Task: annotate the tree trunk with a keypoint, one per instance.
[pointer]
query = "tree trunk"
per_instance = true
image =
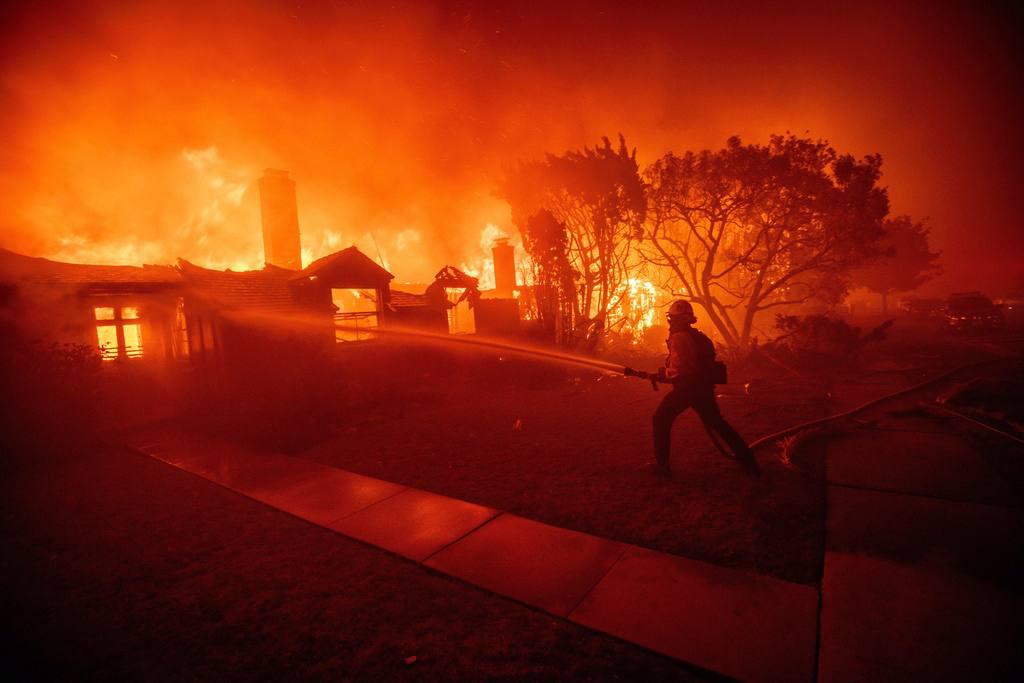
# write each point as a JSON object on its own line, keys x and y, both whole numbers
{"x": 717, "y": 320}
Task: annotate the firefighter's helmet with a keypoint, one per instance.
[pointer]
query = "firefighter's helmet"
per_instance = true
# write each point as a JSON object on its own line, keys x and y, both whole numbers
{"x": 682, "y": 310}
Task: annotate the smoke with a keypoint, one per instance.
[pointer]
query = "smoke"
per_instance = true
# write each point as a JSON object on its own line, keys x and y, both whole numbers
{"x": 138, "y": 129}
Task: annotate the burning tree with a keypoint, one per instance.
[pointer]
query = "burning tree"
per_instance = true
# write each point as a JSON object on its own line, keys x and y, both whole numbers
{"x": 905, "y": 261}
{"x": 581, "y": 214}
{"x": 749, "y": 228}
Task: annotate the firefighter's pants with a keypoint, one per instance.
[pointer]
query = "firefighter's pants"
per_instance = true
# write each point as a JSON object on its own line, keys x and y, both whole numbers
{"x": 704, "y": 404}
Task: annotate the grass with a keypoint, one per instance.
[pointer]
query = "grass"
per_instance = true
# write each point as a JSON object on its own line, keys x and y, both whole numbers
{"x": 120, "y": 567}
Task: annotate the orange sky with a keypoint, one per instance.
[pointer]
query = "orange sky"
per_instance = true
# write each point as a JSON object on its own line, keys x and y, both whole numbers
{"x": 135, "y": 129}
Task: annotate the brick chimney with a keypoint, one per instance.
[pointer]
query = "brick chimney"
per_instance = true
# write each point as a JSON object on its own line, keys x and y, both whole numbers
{"x": 504, "y": 268}
{"x": 280, "y": 220}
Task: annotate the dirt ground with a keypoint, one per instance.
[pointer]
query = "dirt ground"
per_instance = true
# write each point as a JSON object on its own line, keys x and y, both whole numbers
{"x": 118, "y": 567}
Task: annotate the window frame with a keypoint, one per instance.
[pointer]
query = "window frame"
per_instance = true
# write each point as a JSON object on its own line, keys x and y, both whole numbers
{"x": 118, "y": 322}
{"x": 363, "y": 332}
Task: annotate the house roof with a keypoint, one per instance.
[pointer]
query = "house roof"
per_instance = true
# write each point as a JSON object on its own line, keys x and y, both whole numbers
{"x": 450, "y": 276}
{"x": 408, "y": 300}
{"x": 15, "y": 268}
{"x": 272, "y": 287}
{"x": 346, "y": 268}
{"x": 267, "y": 289}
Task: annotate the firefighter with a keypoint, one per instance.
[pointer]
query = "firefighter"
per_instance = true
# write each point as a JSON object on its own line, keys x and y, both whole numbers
{"x": 690, "y": 369}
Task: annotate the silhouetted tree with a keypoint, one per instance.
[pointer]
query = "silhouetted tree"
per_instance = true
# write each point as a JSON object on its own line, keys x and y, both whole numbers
{"x": 752, "y": 227}
{"x": 598, "y": 196}
{"x": 547, "y": 242}
{"x": 905, "y": 262}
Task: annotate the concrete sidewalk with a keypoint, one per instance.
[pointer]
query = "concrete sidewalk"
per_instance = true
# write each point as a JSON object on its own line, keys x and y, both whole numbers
{"x": 735, "y": 623}
{"x": 922, "y": 558}
{"x": 917, "y": 581}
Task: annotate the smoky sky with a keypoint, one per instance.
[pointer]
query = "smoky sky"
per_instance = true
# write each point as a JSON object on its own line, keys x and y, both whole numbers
{"x": 134, "y": 130}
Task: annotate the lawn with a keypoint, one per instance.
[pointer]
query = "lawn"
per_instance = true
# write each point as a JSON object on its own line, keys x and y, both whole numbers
{"x": 117, "y": 566}
{"x": 567, "y": 447}
{"x": 120, "y": 567}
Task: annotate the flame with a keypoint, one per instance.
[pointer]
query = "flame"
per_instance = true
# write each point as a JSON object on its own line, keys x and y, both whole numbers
{"x": 407, "y": 238}
{"x": 481, "y": 264}
{"x": 77, "y": 249}
{"x": 208, "y": 216}
{"x": 635, "y": 308}
{"x": 218, "y": 189}
{"x": 218, "y": 225}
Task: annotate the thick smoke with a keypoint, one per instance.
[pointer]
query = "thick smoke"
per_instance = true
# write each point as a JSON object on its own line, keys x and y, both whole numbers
{"x": 137, "y": 130}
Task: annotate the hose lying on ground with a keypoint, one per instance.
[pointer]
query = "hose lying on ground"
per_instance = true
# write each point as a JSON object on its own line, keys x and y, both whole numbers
{"x": 990, "y": 428}
{"x": 873, "y": 402}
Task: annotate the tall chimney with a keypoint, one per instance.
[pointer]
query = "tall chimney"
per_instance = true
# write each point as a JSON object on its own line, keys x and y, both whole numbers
{"x": 504, "y": 268}
{"x": 280, "y": 220}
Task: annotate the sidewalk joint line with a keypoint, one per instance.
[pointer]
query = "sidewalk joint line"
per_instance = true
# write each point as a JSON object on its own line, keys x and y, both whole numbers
{"x": 568, "y": 615}
{"x": 473, "y": 530}
{"x": 376, "y": 502}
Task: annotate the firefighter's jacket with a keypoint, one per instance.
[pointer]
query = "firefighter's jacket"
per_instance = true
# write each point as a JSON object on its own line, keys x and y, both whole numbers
{"x": 690, "y": 356}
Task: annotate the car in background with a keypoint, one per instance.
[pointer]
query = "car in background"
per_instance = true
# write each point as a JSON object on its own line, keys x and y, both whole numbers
{"x": 973, "y": 312}
{"x": 923, "y": 308}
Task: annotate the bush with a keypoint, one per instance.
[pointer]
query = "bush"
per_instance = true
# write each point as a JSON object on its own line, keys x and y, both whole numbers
{"x": 817, "y": 334}
{"x": 821, "y": 339}
{"x": 52, "y": 390}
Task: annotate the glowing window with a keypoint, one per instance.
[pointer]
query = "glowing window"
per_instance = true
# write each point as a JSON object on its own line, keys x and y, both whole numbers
{"x": 461, "y": 319}
{"x": 180, "y": 339}
{"x": 118, "y": 332}
{"x": 132, "y": 340}
{"x": 357, "y": 314}
{"x": 107, "y": 335}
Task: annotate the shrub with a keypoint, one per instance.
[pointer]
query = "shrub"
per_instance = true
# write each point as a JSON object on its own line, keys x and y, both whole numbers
{"x": 52, "y": 389}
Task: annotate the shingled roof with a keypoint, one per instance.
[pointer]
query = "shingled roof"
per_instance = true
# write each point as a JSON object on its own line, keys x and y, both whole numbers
{"x": 267, "y": 289}
{"x": 346, "y": 268}
{"x": 271, "y": 288}
{"x": 17, "y": 268}
{"x": 408, "y": 300}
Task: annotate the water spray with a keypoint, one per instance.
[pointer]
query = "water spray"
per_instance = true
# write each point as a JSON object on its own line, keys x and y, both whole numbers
{"x": 493, "y": 344}
{"x": 520, "y": 349}
{"x": 311, "y": 321}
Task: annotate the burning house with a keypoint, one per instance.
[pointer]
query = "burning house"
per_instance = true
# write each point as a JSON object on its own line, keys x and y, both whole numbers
{"x": 454, "y": 302}
{"x": 189, "y": 316}
{"x": 224, "y": 322}
{"x": 354, "y": 287}
{"x": 498, "y": 309}
{"x": 221, "y": 320}
{"x": 128, "y": 312}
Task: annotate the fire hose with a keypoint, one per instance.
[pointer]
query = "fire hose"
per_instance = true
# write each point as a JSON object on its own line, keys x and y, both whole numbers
{"x": 655, "y": 378}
